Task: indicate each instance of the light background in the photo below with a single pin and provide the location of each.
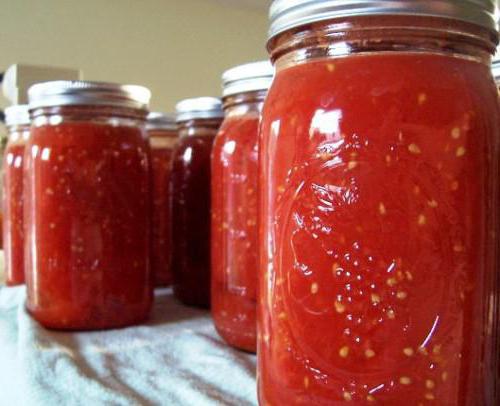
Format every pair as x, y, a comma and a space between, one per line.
177, 48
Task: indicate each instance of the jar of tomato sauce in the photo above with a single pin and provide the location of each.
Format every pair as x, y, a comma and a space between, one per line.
162, 134
17, 119
496, 70
234, 205
87, 205
198, 121
379, 205
3, 145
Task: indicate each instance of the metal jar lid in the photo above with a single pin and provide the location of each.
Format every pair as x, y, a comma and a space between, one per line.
161, 121
250, 77
287, 14
79, 93
201, 107
17, 115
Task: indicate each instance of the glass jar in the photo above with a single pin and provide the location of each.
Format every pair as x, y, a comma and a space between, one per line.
87, 206
3, 145
17, 120
234, 205
198, 122
496, 70
378, 208
162, 133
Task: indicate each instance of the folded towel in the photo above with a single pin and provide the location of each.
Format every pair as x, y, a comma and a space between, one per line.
176, 358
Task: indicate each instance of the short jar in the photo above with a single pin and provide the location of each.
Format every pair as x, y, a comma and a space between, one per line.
162, 135
17, 120
87, 206
234, 204
495, 68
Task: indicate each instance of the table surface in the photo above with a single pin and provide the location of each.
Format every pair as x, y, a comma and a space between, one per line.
176, 358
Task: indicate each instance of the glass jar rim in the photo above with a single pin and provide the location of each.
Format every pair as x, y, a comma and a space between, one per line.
288, 14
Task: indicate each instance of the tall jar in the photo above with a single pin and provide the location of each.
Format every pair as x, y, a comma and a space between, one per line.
3, 145
198, 121
234, 205
87, 206
496, 70
379, 205
17, 120
162, 135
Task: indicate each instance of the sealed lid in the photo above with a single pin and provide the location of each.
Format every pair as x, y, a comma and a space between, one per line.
161, 121
79, 93
250, 77
17, 115
287, 14
201, 107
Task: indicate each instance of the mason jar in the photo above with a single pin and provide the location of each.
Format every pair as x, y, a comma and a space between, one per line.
496, 70
17, 120
87, 206
162, 135
198, 121
379, 205
234, 205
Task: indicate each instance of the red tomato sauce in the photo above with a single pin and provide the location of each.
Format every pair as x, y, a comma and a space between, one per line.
378, 185
13, 211
87, 207
191, 219
162, 144
1, 228
234, 231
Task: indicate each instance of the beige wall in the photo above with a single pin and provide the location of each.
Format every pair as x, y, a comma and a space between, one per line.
178, 48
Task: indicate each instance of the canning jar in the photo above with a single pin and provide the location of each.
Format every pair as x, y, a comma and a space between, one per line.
87, 205
234, 205
17, 120
162, 134
496, 70
198, 121
379, 205
3, 145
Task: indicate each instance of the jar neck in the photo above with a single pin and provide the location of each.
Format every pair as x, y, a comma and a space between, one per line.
95, 114
18, 134
161, 133
377, 34
162, 138
199, 127
250, 103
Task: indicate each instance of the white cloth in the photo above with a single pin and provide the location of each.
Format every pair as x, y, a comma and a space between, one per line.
176, 358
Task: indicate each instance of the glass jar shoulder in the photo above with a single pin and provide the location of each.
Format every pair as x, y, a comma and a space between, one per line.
13, 155
162, 139
237, 137
18, 137
14, 148
241, 127
81, 133
87, 142
191, 149
92, 155
359, 93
